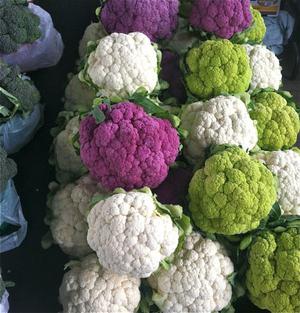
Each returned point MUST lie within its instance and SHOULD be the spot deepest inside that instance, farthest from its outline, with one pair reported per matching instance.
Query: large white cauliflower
(123, 63)
(69, 209)
(220, 120)
(286, 166)
(68, 163)
(266, 69)
(88, 288)
(129, 235)
(197, 280)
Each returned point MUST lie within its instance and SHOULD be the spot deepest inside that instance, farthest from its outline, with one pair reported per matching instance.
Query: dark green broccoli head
(18, 25)
(17, 93)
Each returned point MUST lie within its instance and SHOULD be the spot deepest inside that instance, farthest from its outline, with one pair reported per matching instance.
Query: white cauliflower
(286, 166)
(123, 63)
(68, 164)
(93, 32)
(197, 280)
(220, 120)
(69, 209)
(88, 288)
(129, 235)
(266, 69)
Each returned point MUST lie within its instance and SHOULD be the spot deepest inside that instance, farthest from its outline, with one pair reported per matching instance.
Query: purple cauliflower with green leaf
(223, 18)
(129, 149)
(155, 18)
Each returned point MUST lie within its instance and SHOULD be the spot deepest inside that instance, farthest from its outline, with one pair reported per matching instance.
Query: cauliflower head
(220, 120)
(69, 209)
(217, 67)
(278, 124)
(155, 18)
(8, 169)
(273, 277)
(130, 149)
(196, 281)
(123, 63)
(265, 66)
(129, 234)
(232, 193)
(88, 288)
(286, 166)
(222, 18)
(68, 164)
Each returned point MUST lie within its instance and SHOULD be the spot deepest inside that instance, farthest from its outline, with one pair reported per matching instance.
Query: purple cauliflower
(129, 149)
(155, 18)
(223, 18)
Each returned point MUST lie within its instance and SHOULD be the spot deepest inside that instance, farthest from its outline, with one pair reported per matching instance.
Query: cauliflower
(266, 70)
(129, 149)
(273, 277)
(68, 164)
(222, 18)
(277, 122)
(217, 67)
(132, 234)
(121, 64)
(155, 18)
(8, 169)
(286, 166)
(69, 209)
(88, 288)
(197, 280)
(221, 120)
(232, 193)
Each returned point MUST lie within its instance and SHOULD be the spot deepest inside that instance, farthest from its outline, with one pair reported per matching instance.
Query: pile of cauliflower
(210, 130)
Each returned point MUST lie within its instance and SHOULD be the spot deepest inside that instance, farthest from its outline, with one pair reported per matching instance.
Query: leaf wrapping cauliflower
(232, 193)
(129, 235)
(217, 67)
(196, 281)
(88, 288)
(220, 120)
(123, 63)
(273, 277)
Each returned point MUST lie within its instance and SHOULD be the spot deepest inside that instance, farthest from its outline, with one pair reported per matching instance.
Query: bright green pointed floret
(217, 67)
(273, 277)
(18, 25)
(278, 124)
(232, 193)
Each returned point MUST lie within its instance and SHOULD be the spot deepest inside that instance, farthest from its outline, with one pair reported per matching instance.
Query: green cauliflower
(18, 25)
(232, 193)
(255, 34)
(217, 67)
(273, 277)
(278, 123)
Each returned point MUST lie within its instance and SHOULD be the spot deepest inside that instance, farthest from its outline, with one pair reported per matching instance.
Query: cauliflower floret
(88, 288)
(123, 63)
(8, 169)
(197, 280)
(221, 120)
(129, 235)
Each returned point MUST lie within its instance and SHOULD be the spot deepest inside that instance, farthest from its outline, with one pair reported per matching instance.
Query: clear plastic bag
(18, 131)
(4, 305)
(11, 214)
(44, 52)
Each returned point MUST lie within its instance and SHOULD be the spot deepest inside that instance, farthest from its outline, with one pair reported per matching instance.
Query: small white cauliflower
(266, 69)
(220, 120)
(197, 280)
(286, 166)
(69, 209)
(88, 288)
(122, 63)
(129, 235)
(68, 164)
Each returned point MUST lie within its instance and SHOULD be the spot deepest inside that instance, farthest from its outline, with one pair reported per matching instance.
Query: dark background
(37, 273)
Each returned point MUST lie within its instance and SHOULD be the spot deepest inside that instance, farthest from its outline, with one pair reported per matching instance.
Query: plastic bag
(4, 305)
(44, 52)
(18, 131)
(11, 213)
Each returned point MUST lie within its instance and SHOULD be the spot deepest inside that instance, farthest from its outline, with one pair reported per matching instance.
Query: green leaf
(98, 115)
(275, 213)
(246, 242)
(4, 111)
(97, 198)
